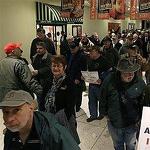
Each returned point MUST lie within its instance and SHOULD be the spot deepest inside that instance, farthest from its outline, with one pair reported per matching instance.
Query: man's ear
(34, 105)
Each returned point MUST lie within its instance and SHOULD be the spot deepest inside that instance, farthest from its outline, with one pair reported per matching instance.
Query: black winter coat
(65, 97)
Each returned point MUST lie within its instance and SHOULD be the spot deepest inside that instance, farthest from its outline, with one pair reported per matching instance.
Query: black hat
(125, 65)
(73, 44)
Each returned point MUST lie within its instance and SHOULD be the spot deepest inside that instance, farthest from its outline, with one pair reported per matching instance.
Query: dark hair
(49, 34)
(40, 30)
(41, 44)
(59, 59)
(73, 44)
(94, 48)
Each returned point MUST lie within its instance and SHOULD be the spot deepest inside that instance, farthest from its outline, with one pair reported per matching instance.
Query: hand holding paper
(90, 76)
(31, 67)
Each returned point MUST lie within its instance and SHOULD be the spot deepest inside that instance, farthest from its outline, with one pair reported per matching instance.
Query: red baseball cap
(10, 47)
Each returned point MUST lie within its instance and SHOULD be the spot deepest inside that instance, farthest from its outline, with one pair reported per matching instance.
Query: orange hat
(10, 47)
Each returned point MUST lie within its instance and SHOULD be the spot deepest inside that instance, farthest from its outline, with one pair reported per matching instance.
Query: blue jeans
(94, 94)
(123, 137)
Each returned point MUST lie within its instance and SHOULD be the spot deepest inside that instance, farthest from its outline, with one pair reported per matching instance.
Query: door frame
(64, 28)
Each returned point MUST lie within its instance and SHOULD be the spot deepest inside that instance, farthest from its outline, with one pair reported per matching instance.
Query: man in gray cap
(28, 129)
(121, 95)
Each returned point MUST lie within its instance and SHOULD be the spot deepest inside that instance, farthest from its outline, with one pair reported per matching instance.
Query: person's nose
(9, 118)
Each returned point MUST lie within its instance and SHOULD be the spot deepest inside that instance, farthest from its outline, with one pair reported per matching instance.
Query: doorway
(55, 31)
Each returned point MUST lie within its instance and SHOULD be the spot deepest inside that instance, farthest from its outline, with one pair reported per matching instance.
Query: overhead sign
(144, 137)
(111, 9)
(144, 6)
(103, 9)
(143, 13)
(72, 8)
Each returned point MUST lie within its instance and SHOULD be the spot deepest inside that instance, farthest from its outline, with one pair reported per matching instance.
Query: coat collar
(44, 56)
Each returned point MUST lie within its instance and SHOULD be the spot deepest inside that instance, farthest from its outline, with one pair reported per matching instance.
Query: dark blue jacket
(77, 63)
(122, 109)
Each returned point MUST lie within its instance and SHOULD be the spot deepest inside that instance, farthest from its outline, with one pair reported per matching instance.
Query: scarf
(50, 97)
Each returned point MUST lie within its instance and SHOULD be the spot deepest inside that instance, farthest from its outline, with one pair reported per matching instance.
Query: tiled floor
(93, 135)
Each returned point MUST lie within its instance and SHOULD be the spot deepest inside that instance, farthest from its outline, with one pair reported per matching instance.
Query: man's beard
(13, 129)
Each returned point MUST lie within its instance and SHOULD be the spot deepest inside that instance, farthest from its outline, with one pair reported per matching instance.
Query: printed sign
(111, 9)
(144, 137)
(144, 10)
(103, 9)
(144, 6)
(90, 76)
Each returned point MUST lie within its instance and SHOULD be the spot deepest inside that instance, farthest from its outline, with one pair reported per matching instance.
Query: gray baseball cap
(16, 98)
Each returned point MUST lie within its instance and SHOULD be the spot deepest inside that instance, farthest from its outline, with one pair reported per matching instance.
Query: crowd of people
(39, 104)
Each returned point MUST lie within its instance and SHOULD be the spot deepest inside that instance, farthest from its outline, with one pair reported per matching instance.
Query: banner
(144, 137)
(111, 9)
(103, 9)
(144, 6)
(72, 8)
(143, 13)
(118, 9)
(92, 9)
(144, 9)
(133, 10)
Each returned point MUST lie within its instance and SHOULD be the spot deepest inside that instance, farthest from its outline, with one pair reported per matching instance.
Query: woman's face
(57, 69)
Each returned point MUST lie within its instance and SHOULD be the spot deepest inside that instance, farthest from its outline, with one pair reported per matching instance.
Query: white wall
(18, 23)
(1, 53)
